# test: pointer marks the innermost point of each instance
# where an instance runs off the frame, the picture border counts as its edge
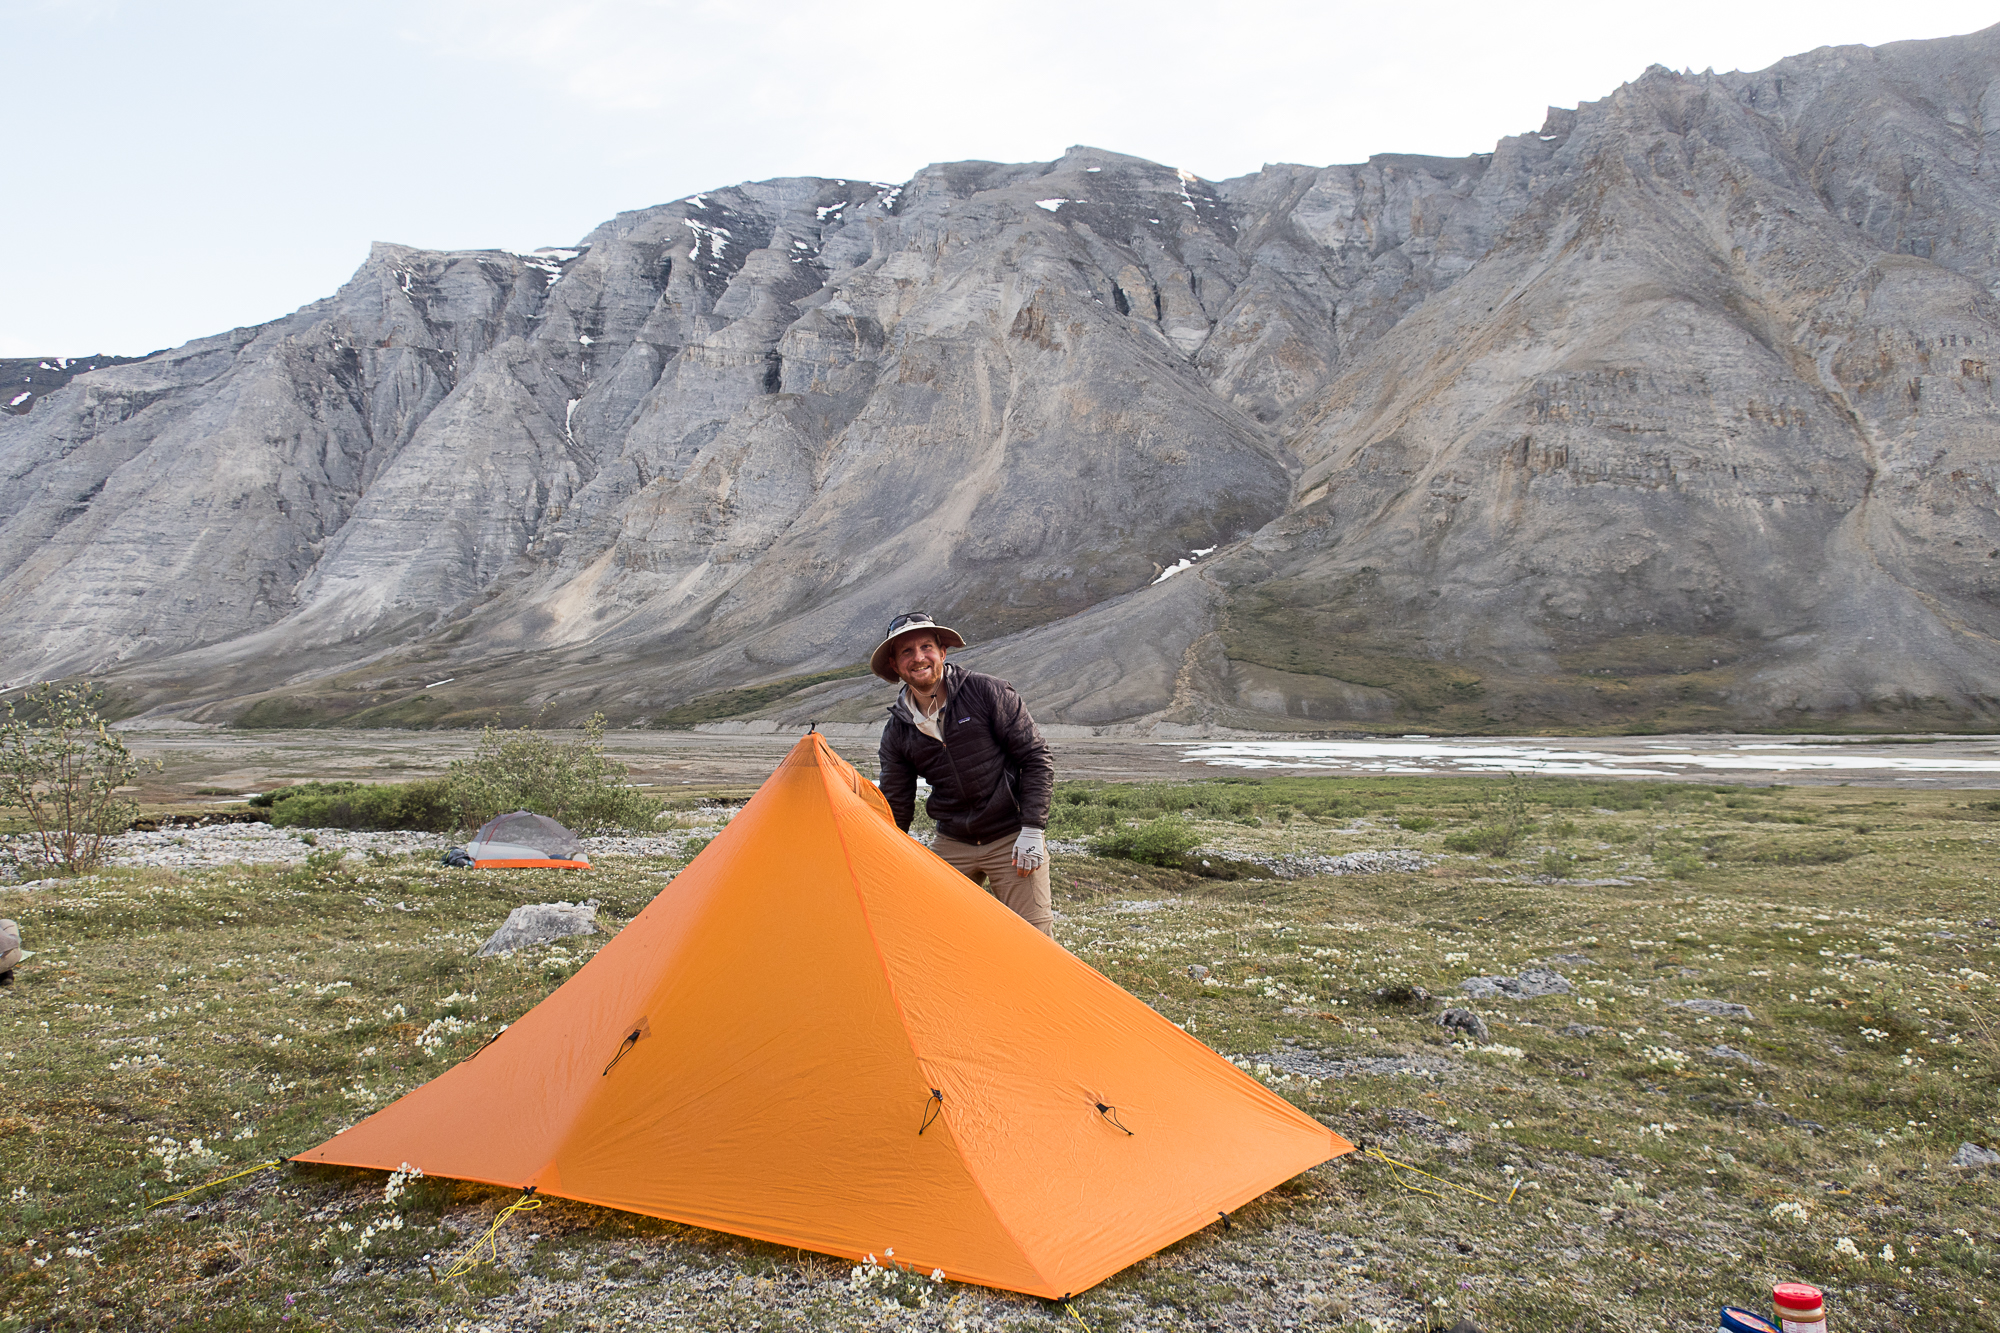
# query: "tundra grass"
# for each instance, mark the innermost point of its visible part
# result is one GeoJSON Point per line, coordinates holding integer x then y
{"type": "Point", "coordinates": [1604, 1159]}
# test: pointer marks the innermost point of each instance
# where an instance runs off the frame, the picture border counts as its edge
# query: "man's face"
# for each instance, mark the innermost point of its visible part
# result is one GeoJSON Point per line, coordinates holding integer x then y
{"type": "Point", "coordinates": [920, 660]}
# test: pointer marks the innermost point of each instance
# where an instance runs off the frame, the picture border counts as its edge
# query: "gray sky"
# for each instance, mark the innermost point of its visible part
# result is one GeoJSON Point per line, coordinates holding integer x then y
{"type": "Point", "coordinates": [182, 168]}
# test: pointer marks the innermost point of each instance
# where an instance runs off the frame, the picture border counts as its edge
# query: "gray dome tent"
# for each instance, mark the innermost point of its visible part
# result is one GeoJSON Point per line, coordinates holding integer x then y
{"type": "Point", "coordinates": [526, 840]}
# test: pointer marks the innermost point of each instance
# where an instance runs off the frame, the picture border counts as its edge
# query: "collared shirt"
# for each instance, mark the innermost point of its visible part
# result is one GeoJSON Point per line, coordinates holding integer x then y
{"type": "Point", "coordinates": [924, 722]}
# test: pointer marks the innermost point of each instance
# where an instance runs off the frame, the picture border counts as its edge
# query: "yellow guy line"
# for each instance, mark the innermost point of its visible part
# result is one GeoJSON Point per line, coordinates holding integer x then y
{"type": "Point", "coordinates": [1074, 1315]}
{"type": "Point", "coordinates": [490, 1241]}
{"type": "Point", "coordinates": [1416, 1189]}
{"type": "Point", "coordinates": [261, 1166]}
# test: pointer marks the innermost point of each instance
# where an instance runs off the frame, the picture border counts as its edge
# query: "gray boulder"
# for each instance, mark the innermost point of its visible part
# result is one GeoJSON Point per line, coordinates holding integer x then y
{"type": "Point", "coordinates": [1714, 1008]}
{"type": "Point", "coordinates": [541, 923]}
{"type": "Point", "coordinates": [1463, 1020]}
{"type": "Point", "coordinates": [1731, 1053]}
{"type": "Point", "coordinates": [1971, 1154]}
{"type": "Point", "coordinates": [1531, 983]}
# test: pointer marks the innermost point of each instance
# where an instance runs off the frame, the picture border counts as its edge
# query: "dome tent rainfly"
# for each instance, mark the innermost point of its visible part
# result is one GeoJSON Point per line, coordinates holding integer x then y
{"type": "Point", "coordinates": [821, 1035]}
{"type": "Point", "coordinates": [524, 840]}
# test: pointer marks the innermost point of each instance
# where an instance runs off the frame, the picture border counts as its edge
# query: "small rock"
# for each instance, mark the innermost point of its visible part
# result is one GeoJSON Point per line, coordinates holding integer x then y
{"type": "Point", "coordinates": [1971, 1154]}
{"type": "Point", "coordinates": [1197, 973]}
{"type": "Point", "coordinates": [1731, 1053]}
{"type": "Point", "coordinates": [1581, 1030]}
{"type": "Point", "coordinates": [1463, 1020]}
{"type": "Point", "coordinates": [540, 923]}
{"type": "Point", "coordinates": [1572, 960]}
{"type": "Point", "coordinates": [1533, 982]}
{"type": "Point", "coordinates": [1715, 1008]}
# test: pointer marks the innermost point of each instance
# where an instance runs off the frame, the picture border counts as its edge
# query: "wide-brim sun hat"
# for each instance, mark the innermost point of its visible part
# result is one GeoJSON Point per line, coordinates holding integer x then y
{"type": "Point", "coordinates": [882, 660]}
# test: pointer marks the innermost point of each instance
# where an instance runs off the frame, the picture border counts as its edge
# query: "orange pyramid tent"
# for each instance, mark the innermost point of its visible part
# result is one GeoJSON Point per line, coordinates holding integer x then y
{"type": "Point", "coordinates": [821, 1035]}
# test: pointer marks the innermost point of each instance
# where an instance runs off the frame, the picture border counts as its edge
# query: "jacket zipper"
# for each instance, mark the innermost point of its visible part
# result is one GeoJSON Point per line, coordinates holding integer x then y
{"type": "Point", "coordinates": [944, 720]}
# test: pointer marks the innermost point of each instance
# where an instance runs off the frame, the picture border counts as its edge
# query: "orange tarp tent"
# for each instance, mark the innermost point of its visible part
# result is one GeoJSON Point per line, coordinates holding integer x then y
{"type": "Point", "coordinates": [821, 1035]}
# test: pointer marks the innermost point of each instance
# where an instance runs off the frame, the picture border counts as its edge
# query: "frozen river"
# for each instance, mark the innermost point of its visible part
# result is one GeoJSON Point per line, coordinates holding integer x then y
{"type": "Point", "coordinates": [1958, 761]}
{"type": "Point", "coordinates": [219, 759]}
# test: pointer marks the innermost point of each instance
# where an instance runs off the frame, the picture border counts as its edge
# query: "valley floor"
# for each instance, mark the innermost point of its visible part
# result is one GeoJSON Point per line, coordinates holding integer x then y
{"type": "Point", "coordinates": [1630, 1151]}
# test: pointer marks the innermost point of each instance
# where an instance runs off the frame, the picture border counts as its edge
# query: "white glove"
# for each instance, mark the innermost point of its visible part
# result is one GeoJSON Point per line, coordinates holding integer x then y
{"type": "Point", "coordinates": [1030, 850]}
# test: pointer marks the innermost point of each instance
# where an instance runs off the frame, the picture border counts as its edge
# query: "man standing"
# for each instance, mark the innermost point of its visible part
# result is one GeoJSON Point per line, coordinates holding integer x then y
{"type": "Point", "coordinates": [991, 776]}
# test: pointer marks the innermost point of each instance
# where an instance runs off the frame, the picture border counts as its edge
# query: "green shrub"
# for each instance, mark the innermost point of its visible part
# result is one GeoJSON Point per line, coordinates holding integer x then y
{"type": "Point", "coordinates": [1793, 853]}
{"type": "Point", "coordinates": [424, 805]}
{"type": "Point", "coordinates": [269, 799]}
{"type": "Point", "coordinates": [1159, 842]}
{"type": "Point", "coordinates": [64, 769]}
{"type": "Point", "coordinates": [1489, 839]}
{"type": "Point", "coordinates": [1416, 824]}
{"type": "Point", "coordinates": [574, 782]}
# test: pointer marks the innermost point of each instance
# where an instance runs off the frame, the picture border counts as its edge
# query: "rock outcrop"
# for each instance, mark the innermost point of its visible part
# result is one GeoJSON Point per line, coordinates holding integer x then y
{"type": "Point", "coordinates": [1677, 412]}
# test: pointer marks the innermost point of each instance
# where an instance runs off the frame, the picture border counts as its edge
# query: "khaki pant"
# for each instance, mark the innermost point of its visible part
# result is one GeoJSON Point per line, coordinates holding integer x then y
{"type": "Point", "coordinates": [991, 865]}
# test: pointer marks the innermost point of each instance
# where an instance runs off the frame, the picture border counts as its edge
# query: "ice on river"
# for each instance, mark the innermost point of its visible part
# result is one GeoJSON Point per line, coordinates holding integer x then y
{"type": "Point", "coordinates": [1445, 756]}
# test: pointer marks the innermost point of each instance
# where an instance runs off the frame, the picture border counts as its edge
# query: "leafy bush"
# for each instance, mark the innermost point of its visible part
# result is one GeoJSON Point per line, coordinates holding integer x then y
{"type": "Point", "coordinates": [425, 805]}
{"type": "Point", "coordinates": [64, 771]}
{"type": "Point", "coordinates": [1490, 839]}
{"type": "Point", "coordinates": [1818, 853]}
{"type": "Point", "coordinates": [268, 799]}
{"type": "Point", "coordinates": [1159, 842]}
{"type": "Point", "coordinates": [572, 782]}
{"type": "Point", "coordinates": [1086, 807]}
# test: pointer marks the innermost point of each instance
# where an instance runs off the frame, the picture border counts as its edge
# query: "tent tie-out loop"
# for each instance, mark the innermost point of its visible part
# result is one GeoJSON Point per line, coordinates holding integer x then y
{"type": "Point", "coordinates": [631, 1040]}
{"type": "Point", "coordinates": [1110, 1113]}
{"type": "Point", "coordinates": [490, 1241]}
{"type": "Point", "coordinates": [1227, 1225]}
{"type": "Point", "coordinates": [489, 1041]}
{"type": "Point", "coordinates": [933, 1108]}
{"type": "Point", "coordinates": [261, 1166]}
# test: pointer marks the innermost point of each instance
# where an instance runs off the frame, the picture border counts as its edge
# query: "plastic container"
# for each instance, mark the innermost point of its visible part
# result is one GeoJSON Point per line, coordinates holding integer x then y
{"type": "Point", "coordinates": [1742, 1321]}
{"type": "Point", "coordinates": [1801, 1307]}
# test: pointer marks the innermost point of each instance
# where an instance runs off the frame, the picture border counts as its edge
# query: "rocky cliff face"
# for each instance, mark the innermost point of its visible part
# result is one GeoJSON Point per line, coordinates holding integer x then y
{"type": "Point", "coordinates": [1677, 412]}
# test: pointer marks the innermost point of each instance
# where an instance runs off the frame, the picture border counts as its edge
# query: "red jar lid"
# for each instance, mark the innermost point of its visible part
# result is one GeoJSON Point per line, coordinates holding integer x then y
{"type": "Point", "coordinates": [1797, 1296]}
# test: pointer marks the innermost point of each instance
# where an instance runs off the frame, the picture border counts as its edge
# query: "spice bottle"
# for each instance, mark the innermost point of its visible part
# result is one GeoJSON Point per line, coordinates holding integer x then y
{"type": "Point", "coordinates": [1742, 1321]}
{"type": "Point", "coordinates": [1801, 1307]}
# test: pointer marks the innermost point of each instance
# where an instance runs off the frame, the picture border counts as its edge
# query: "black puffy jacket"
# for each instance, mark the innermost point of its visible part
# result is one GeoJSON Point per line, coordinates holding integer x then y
{"type": "Point", "coordinates": [991, 774]}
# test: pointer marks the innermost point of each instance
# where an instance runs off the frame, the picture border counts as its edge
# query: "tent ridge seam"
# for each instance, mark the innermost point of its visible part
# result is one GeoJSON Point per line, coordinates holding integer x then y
{"type": "Point", "coordinates": [854, 882]}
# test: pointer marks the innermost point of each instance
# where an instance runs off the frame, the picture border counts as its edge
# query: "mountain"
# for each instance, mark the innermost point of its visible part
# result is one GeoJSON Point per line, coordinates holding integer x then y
{"type": "Point", "coordinates": [1675, 413]}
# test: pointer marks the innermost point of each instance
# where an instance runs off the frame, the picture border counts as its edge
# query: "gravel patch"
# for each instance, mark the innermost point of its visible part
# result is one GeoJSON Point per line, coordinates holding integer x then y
{"type": "Point", "coordinates": [1396, 861]}
{"type": "Point", "coordinates": [262, 844]}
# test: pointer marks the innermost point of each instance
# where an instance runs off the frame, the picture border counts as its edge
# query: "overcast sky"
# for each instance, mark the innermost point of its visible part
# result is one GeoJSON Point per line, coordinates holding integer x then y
{"type": "Point", "coordinates": [182, 168]}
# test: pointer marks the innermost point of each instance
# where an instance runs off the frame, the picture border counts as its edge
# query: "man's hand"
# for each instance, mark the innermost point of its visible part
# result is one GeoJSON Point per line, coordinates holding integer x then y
{"type": "Point", "coordinates": [1030, 850]}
